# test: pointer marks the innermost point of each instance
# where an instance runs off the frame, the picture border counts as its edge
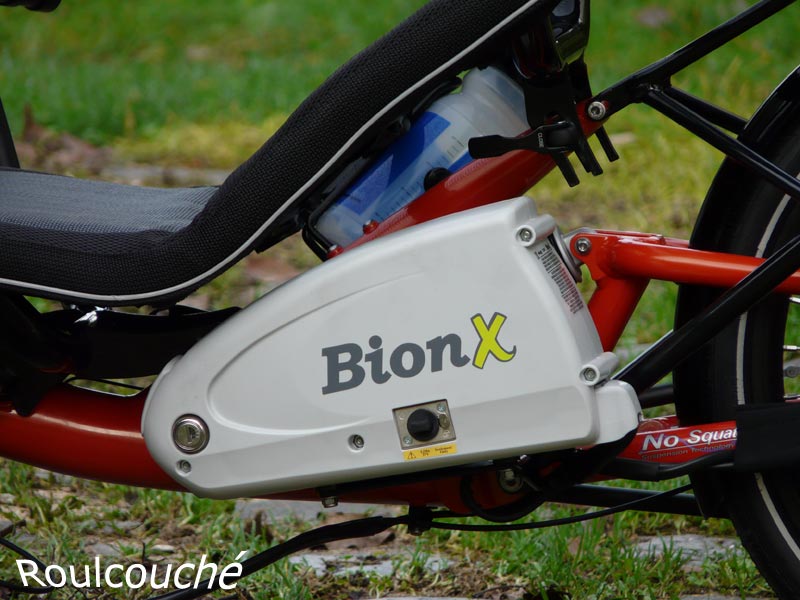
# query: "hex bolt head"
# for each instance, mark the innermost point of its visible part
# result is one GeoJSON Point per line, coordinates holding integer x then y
{"type": "Point", "coordinates": [190, 434]}
{"type": "Point", "coordinates": [596, 111]}
{"type": "Point", "coordinates": [356, 442]}
{"type": "Point", "coordinates": [589, 375]}
{"type": "Point", "coordinates": [185, 466]}
{"type": "Point", "coordinates": [583, 246]}
{"type": "Point", "coordinates": [525, 235]}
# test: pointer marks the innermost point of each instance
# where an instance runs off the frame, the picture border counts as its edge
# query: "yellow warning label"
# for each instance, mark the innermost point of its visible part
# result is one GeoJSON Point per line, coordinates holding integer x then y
{"type": "Point", "coordinates": [431, 452]}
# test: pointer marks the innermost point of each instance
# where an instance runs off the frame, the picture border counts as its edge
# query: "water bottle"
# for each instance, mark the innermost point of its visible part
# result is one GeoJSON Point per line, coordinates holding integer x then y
{"type": "Point", "coordinates": [489, 103]}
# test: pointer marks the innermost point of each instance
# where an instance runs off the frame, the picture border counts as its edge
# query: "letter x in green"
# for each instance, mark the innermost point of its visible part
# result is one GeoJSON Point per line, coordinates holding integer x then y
{"type": "Point", "coordinates": [488, 344]}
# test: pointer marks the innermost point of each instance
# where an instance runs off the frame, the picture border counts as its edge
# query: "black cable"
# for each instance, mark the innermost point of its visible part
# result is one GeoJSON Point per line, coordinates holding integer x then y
{"type": "Point", "coordinates": [315, 537]}
{"type": "Point", "coordinates": [557, 522]}
{"type": "Point", "coordinates": [25, 589]}
{"type": "Point", "coordinates": [421, 520]}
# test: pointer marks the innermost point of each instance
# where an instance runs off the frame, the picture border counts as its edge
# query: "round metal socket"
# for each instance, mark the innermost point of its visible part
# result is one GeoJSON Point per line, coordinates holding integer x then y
{"type": "Point", "coordinates": [190, 434]}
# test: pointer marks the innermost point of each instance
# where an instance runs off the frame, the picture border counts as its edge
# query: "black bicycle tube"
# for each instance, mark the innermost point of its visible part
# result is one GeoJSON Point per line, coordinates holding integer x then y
{"type": "Point", "coordinates": [686, 118]}
{"type": "Point", "coordinates": [713, 114]}
{"type": "Point", "coordinates": [628, 90]}
{"type": "Point", "coordinates": [678, 345]}
{"type": "Point", "coordinates": [8, 154]}
{"type": "Point", "coordinates": [596, 495]}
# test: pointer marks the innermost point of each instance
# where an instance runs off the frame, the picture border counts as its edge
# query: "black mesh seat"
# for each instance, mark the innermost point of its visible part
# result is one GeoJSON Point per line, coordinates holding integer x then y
{"type": "Point", "coordinates": [107, 244]}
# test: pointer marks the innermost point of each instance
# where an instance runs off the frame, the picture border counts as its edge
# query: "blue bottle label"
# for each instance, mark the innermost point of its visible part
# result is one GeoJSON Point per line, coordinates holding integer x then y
{"type": "Point", "coordinates": [395, 161]}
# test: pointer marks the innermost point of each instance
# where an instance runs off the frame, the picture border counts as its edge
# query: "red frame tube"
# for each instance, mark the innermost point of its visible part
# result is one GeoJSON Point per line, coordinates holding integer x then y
{"type": "Point", "coordinates": [622, 264]}
{"type": "Point", "coordinates": [98, 436]}
{"type": "Point", "coordinates": [663, 441]}
{"type": "Point", "coordinates": [86, 434]}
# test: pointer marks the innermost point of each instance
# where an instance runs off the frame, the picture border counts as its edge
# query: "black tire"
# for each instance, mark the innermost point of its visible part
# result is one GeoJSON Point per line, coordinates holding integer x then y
{"type": "Point", "coordinates": [744, 364]}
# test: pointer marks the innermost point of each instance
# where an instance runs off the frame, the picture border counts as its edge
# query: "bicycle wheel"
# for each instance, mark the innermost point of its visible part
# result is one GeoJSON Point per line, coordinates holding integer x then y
{"type": "Point", "coordinates": [745, 363]}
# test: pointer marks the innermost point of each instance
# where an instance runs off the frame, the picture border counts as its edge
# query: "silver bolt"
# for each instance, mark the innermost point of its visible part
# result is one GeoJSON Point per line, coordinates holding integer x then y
{"type": "Point", "coordinates": [185, 466]}
{"type": "Point", "coordinates": [510, 482]}
{"type": "Point", "coordinates": [589, 374]}
{"type": "Point", "coordinates": [525, 235]}
{"type": "Point", "coordinates": [583, 246]}
{"type": "Point", "coordinates": [596, 111]}
{"type": "Point", "coordinates": [330, 501]}
{"type": "Point", "coordinates": [442, 408]}
{"type": "Point", "coordinates": [407, 441]}
{"type": "Point", "coordinates": [357, 442]}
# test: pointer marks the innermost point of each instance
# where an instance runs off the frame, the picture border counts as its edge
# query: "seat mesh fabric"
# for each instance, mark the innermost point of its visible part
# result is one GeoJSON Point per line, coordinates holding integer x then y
{"type": "Point", "coordinates": [37, 201]}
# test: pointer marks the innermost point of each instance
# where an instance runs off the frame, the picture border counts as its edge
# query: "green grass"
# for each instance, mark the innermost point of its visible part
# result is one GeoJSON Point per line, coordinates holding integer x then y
{"type": "Point", "coordinates": [595, 559]}
{"type": "Point", "coordinates": [102, 70]}
{"type": "Point", "coordinates": [204, 84]}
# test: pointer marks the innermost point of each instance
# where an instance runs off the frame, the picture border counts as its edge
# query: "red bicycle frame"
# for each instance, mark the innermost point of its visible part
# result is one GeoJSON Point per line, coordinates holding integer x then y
{"type": "Point", "coordinates": [97, 436]}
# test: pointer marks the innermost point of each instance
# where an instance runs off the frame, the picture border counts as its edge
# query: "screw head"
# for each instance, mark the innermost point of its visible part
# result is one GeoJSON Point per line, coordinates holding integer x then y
{"type": "Point", "coordinates": [596, 111]}
{"type": "Point", "coordinates": [356, 442]}
{"type": "Point", "coordinates": [583, 246]}
{"type": "Point", "coordinates": [441, 408]}
{"type": "Point", "coordinates": [407, 441]}
{"type": "Point", "coordinates": [330, 501]}
{"type": "Point", "coordinates": [190, 434]}
{"type": "Point", "coordinates": [589, 374]}
{"type": "Point", "coordinates": [185, 466]}
{"type": "Point", "coordinates": [525, 235]}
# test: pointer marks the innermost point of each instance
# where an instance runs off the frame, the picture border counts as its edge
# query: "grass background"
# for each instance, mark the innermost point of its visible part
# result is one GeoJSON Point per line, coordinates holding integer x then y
{"type": "Point", "coordinates": [205, 83]}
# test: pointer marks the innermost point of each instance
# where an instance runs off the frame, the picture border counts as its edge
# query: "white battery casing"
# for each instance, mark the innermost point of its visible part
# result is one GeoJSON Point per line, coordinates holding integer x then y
{"type": "Point", "coordinates": [275, 383]}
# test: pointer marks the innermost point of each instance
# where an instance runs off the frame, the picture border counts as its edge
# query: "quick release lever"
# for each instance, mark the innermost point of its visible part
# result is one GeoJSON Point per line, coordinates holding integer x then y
{"type": "Point", "coordinates": [555, 127]}
{"type": "Point", "coordinates": [555, 140]}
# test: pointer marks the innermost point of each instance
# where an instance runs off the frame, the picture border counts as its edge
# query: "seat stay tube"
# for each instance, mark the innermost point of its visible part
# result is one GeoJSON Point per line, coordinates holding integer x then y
{"type": "Point", "coordinates": [659, 73]}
